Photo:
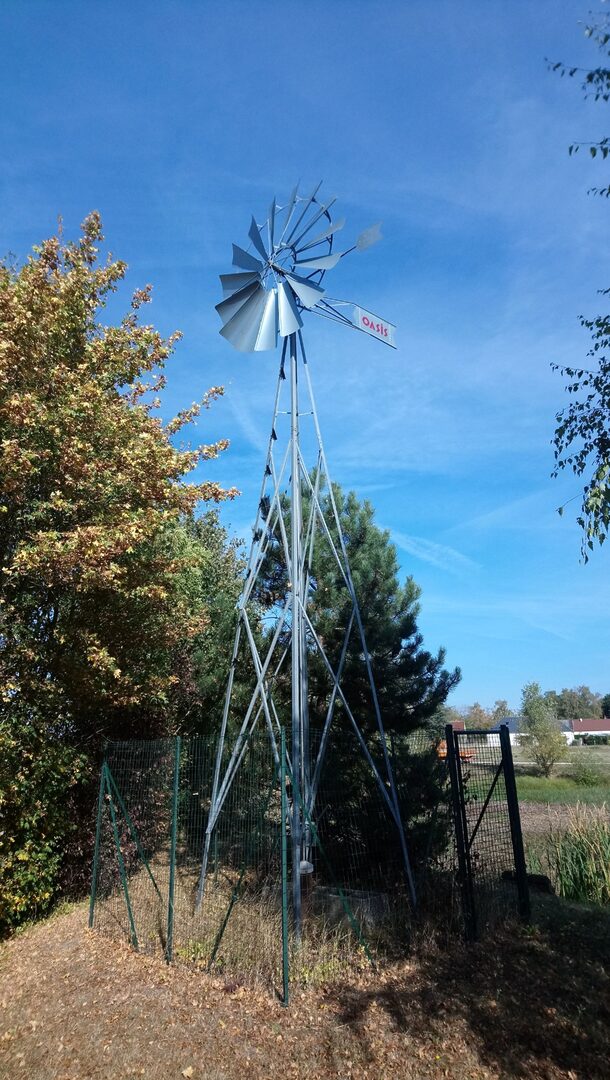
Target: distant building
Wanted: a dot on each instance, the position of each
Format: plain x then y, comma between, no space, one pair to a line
592,726
458,725
570,729
517,726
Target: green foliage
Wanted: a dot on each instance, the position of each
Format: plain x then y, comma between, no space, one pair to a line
579,857
582,433
561,789
542,736
586,774
477,718
102,569
91,601
500,711
570,704
37,783
412,683
201,665
444,714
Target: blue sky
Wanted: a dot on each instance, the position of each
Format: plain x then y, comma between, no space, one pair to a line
179,120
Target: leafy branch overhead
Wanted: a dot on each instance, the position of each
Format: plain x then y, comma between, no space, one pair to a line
582,434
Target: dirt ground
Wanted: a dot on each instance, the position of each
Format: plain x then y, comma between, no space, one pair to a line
538,818
532,1003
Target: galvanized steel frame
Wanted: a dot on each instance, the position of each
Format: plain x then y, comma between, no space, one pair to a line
295,621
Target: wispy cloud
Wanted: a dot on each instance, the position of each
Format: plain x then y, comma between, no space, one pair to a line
534,511
253,432
562,616
439,555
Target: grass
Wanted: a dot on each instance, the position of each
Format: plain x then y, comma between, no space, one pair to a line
599,754
238,932
563,786
561,789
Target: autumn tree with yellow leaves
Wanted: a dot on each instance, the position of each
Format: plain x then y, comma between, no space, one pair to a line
99,577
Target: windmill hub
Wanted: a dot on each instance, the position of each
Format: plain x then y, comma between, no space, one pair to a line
280,276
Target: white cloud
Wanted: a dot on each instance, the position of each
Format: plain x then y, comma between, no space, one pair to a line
439,555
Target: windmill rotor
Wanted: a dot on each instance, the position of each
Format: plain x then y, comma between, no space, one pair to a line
280,276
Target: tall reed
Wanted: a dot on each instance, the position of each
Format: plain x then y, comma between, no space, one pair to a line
578,857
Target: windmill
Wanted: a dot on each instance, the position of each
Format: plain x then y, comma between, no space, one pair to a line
274,284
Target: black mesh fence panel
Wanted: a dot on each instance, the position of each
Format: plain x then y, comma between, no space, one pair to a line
490,855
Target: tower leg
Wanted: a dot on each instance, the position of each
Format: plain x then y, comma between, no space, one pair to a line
296,584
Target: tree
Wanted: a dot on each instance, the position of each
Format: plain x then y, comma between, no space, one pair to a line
580,701
97,565
412,683
543,734
582,433
500,711
605,703
477,717
92,599
201,666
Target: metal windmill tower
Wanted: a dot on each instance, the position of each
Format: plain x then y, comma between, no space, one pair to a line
274,284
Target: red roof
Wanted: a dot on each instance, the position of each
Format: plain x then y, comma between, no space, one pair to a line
585,727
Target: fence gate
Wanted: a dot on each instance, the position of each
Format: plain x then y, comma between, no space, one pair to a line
491,861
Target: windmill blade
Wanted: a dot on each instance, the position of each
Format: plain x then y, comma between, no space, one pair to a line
323,262
326,235
243,329
307,291
369,237
290,320
267,332
310,224
271,223
290,205
234,282
227,308
245,260
255,236
308,201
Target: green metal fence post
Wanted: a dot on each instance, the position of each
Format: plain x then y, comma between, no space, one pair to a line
169,950
285,960
96,850
132,828
120,860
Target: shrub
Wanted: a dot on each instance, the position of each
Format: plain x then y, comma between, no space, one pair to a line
585,774
37,778
545,742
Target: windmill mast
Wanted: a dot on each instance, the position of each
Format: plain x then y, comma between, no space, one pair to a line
299,697
265,298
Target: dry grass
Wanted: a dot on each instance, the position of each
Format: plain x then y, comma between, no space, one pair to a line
238,933
533,1005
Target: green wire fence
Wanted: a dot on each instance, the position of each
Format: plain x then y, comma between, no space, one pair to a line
152,816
